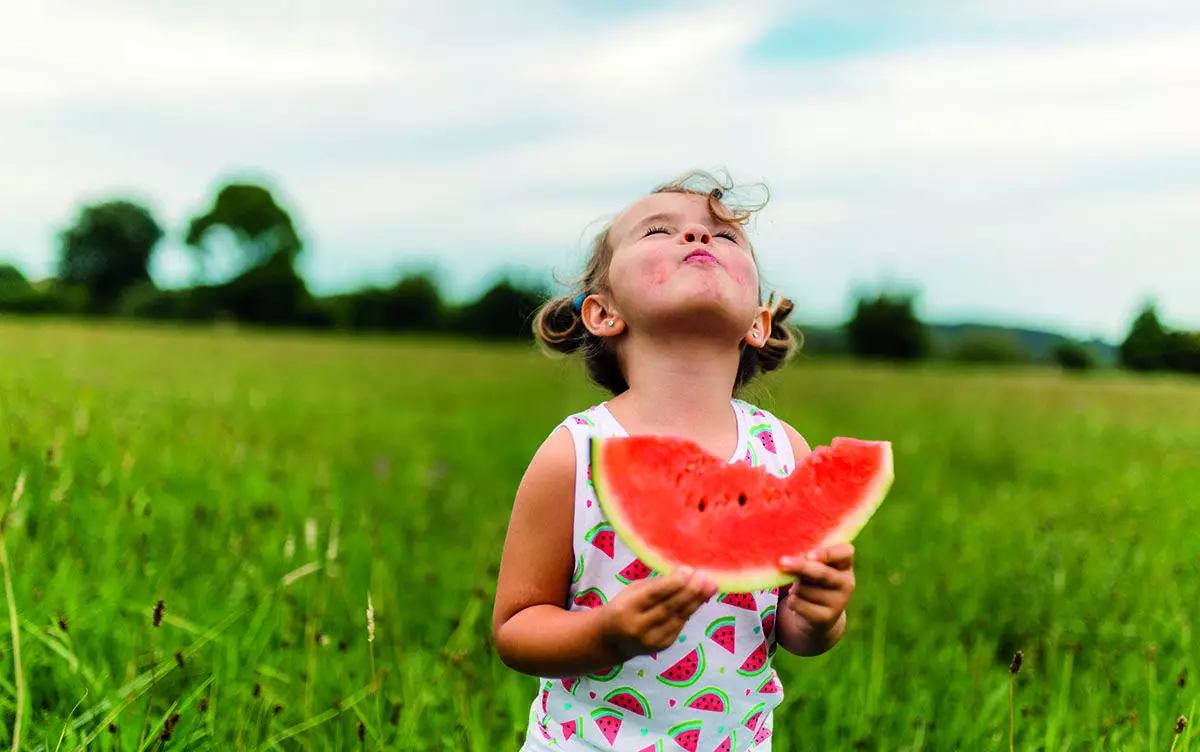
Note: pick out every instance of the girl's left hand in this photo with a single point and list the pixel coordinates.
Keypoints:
(824, 587)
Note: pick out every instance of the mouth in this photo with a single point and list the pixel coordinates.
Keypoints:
(699, 256)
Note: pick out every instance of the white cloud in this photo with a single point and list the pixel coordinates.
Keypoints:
(493, 136)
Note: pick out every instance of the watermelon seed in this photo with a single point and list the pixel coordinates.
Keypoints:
(741, 500)
(702, 505)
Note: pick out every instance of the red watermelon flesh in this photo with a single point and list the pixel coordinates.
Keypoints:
(763, 734)
(608, 722)
(603, 538)
(590, 598)
(635, 571)
(686, 735)
(768, 621)
(754, 716)
(755, 662)
(685, 671)
(570, 728)
(723, 632)
(674, 504)
(740, 600)
(725, 746)
(770, 686)
(570, 684)
(711, 700)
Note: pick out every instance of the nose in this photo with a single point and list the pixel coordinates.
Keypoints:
(696, 234)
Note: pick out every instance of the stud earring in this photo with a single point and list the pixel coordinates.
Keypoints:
(611, 323)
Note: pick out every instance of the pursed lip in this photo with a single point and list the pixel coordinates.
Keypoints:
(700, 254)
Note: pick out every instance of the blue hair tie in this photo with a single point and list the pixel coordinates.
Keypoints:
(579, 303)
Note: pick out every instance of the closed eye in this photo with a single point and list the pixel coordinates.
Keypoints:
(653, 230)
(727, 234)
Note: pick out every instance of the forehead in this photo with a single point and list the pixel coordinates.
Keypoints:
(686, 206)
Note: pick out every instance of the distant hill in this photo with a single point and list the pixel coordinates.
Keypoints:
(1038, 344)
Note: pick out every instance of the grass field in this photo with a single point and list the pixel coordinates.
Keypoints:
(262, 485)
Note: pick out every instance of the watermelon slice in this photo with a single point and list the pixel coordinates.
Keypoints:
(753, 717)
(608, 721)
(590, 598)
(628, 698)
(685, 671)
(686, 735)
(603, 538)
(655, 747)
(722, 631)
(712, 700)
(570, 728)
(635, 571)
(675, 504)
(570, 684)
(756, 662)
(763, 734)
(727, 745)
(578, 570)
(769, 686)
(768, 621)
(740, 600)
(608, 675)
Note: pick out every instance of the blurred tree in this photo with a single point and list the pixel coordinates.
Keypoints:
(12, 278)
(1144, 348)
(262, 229)
(887, 327)
(414, 303)
(505, 311)
(1073, 356)
(1181, 352)
(991, 347)
(107, 250)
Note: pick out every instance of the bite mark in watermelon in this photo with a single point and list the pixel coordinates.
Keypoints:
(686, 735)
(608, 722)
(685, 671)
(711, 700)
(723, 632)
(604, 538)
(675, 504)
(634, 571)
(756, 662)
(590, 598)
(740, 600)
(628, 698)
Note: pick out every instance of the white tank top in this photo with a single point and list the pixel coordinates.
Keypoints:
(714, 690)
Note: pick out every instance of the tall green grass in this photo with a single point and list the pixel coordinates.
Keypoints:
(262, 485)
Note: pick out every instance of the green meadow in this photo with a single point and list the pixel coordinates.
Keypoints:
(261, 485)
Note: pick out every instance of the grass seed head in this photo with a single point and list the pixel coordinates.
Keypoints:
(278, 709)
(1183, 678)
(362, 732)
(62, 623)
(1180, 725)
(257, 689)
(203, 704)
(179, 658)
(1015, 666)
(112, 728)
(370, 620)
(158, 613)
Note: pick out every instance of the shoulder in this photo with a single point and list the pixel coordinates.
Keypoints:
(554, 461)
(800, 446)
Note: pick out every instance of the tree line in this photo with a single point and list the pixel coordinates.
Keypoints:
(103, 269)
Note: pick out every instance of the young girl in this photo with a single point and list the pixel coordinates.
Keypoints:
(670, 320)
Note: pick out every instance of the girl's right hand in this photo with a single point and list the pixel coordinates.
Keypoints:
(648, 616)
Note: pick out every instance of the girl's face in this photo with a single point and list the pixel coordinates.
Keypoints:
(675, 264)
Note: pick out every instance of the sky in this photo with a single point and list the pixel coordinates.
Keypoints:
(1020, 162)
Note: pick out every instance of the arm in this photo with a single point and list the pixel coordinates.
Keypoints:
(533, 631)
(811, 618)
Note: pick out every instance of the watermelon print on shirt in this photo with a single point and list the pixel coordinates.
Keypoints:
(715, 689)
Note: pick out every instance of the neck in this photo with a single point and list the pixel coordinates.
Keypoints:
(679, 388)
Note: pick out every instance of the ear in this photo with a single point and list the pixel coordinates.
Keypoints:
(760, 328)
(600, 317)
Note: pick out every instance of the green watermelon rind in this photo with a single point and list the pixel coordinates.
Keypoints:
(744, 580)
(718, 624)
(709, 691)
(683, 728)
(635, 694)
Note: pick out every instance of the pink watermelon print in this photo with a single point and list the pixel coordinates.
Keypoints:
(635, 571)
(686, 735)
(603, 538)
(711, 700)
(545, 733)
(570, 728)
(608, 722)
(570, 684)
(608, 675)
(685, 671)
(765, 437)
(768, 622)
(591, 598)
(753, 718)
(740, 600)
(628, 698)
(763, 734)
(655, 747)
(722, 631)
(756, 662)
(578, 570)
(770, 686)
(589, 474)
(545, 698)
(727, 745)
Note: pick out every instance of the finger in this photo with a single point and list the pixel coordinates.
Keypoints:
(657, 589)
(813, 574)
(838, 556)
(814, 613)
(687, 599)
(819, 596)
